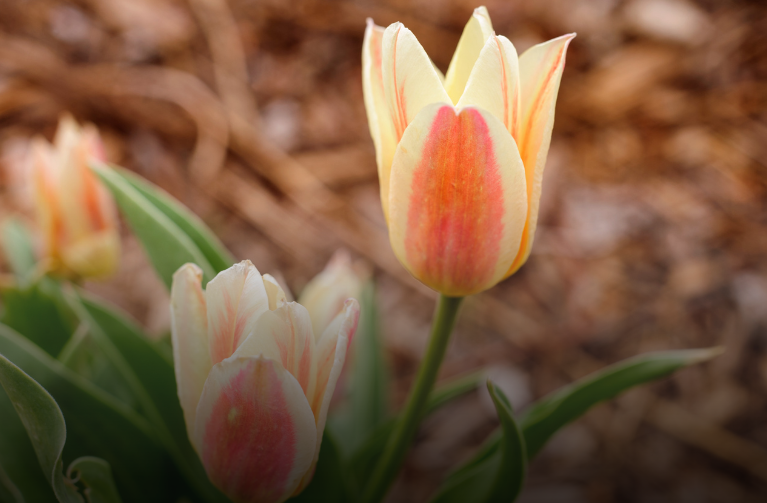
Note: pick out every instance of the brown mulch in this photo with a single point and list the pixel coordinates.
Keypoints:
(653, 228)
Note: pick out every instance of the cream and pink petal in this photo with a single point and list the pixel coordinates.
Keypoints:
(540, 70)
(189, 334)
(274, 292)
(473, 39)
(331, 355)
(255, 431)
(458, 201)
(285, 335)
(494, 83)
(236, 298)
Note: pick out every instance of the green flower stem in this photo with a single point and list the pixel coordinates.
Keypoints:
(396, 448)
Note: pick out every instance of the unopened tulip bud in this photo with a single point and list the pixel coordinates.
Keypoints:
(460, 157)
(254, 380)
(76, 212)
(325, 294)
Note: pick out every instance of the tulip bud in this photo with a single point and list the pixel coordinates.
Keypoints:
(254, 380)
(460, 157)
(76, 213)
(325, 294)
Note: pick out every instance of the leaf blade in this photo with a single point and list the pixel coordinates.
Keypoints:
(208, 243)
(167, 246)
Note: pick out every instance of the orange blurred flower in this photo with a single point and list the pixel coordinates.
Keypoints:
(76, 213)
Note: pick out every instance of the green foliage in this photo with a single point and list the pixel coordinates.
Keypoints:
(38, 311)
(152, 382)
(17, 245)
(547, 416)
(361, 461)
(45, 425)
(210, 246)
(166, 244)
(498, 476)
(97, 425)
(329, 481)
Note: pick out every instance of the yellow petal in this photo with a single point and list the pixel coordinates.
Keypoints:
(189, 334)
(236, 298)
(475, 34)
(410, 82)
(255, 432)
(458, 201)
(540, 71)
(379, 118)
(494, 83)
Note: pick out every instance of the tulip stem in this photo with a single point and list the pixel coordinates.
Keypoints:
(397, 447)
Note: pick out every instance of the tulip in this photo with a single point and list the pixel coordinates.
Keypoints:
(254, 381)
(325, 294)
(460, 157)
(76, 213)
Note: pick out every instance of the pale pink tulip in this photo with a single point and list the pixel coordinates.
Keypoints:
(461, 156)
(76, 213)
(253, 379)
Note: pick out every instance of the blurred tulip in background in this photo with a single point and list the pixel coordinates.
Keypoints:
(76, 213)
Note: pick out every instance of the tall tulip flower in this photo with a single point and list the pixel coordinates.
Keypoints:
(76, 212)
(461, 157)
(254, 380)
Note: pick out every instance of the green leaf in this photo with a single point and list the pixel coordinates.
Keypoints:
(499, 476)
(39, 312)
(210, 246)
(548, 415)
(551, 413)
(154, 376)
(167, 246)
(97, 425)
(44, 422)
(328, 483)
(17, 245)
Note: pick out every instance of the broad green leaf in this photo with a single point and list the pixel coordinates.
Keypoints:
(155, 376)
(18, 249)
(328, 483)
(210, 246)
(97, 425)
(83, 355)
(548, 415)
(45, 426)
(498, 478)
(367, 406)
(38, 311)
(167, 246)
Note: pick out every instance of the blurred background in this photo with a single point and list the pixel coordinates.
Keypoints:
(653, 229)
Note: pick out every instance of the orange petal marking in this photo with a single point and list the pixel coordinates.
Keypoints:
(454, 222)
